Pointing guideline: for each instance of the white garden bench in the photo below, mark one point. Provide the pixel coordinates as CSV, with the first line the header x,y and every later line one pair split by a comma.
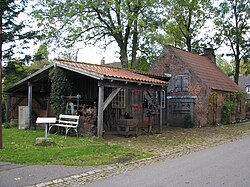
x,y
68,122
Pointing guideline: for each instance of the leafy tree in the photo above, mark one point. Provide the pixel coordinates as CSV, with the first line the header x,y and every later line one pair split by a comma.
x,y
226,67
13,72
41,59
92,21
10,32
185,19
245,66
233,29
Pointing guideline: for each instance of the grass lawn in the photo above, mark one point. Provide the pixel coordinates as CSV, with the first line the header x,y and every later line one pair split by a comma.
x,y
19,147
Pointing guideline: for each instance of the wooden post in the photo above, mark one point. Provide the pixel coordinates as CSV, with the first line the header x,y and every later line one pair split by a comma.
x,y
30,103
160,125
8,104
100,110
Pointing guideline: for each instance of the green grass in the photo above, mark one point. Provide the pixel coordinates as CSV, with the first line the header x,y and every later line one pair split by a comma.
x,y
19,147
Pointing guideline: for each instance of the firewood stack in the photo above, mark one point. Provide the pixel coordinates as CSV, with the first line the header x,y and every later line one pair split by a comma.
x,y
88,120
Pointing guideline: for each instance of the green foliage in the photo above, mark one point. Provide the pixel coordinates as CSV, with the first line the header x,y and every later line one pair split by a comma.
x,y
99,22
59,86
184,21
41,59
13,30
141,64
20,147
226,67
233,29
13,72
188,121
230,105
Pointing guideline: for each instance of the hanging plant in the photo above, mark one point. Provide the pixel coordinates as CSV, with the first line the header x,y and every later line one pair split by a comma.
x,y
59,86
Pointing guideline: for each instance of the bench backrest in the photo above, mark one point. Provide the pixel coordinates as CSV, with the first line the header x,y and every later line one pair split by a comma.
x,y
69,119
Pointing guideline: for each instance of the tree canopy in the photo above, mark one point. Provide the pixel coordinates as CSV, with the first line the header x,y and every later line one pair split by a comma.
x,y
232,20
94,21
185,19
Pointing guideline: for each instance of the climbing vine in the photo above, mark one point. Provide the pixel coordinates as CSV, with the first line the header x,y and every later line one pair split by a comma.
x,y
59,86
230,106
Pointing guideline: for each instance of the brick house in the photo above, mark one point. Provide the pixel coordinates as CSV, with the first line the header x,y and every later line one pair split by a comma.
x,y
197,88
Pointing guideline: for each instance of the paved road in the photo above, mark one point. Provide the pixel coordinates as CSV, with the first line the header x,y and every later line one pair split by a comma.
x,y
225,165
15,175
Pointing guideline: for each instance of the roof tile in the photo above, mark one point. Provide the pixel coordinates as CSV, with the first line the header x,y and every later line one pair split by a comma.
x,y
207,71
110,72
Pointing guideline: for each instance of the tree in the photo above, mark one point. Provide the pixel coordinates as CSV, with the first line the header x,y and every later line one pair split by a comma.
x,y
40,59
226,67
233,29
92,21
10,33
184,21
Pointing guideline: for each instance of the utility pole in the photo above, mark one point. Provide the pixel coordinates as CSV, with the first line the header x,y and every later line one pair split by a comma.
x,y
1,86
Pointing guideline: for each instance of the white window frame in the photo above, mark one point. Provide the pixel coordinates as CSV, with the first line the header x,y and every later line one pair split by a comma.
x,y
120,99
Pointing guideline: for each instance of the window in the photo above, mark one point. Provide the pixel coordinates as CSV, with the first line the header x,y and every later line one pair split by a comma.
x,y
119,100
163,99
181,83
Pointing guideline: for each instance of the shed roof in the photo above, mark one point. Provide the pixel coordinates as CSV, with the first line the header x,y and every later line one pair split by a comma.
x,y
100,72
108,72
206,70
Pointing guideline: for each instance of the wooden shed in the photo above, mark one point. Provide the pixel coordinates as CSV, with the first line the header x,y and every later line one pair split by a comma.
x,y
110,92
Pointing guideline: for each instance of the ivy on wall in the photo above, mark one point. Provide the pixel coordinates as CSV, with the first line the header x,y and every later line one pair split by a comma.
x,y
60,85
230,106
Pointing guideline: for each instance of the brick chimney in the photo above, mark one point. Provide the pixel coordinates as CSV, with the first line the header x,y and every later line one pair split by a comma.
x,y
103,61
209,52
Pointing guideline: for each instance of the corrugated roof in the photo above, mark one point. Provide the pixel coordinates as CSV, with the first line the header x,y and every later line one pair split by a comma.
x,y
207,71
107,72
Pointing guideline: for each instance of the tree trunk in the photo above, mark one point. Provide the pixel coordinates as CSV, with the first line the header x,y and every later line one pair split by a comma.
x,y
123,55
134,45
188,43
237,69
1,15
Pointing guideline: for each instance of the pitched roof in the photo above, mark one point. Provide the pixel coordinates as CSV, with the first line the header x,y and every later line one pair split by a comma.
x,y
206,70
108,72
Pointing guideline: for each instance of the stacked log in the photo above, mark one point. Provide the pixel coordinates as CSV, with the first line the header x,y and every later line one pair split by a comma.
x,y
88,121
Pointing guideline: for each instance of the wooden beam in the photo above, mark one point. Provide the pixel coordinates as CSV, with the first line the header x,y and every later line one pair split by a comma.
x,y
129,85
30,103
100,110
111,97
161,97
8,108
16,104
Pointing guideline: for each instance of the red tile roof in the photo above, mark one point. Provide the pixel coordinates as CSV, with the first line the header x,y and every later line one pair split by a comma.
x,y
207,71
108,72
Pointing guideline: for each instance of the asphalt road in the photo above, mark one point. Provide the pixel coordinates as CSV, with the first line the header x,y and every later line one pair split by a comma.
x,y
16,175
225,165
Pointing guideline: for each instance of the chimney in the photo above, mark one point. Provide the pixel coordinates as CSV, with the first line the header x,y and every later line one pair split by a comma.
x,y
103,61
209,52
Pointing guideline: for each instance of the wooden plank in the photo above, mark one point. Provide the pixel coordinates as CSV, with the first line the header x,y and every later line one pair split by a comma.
x,y
111,97
160,125
16,104
100,110
8,107
123,85
30,103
